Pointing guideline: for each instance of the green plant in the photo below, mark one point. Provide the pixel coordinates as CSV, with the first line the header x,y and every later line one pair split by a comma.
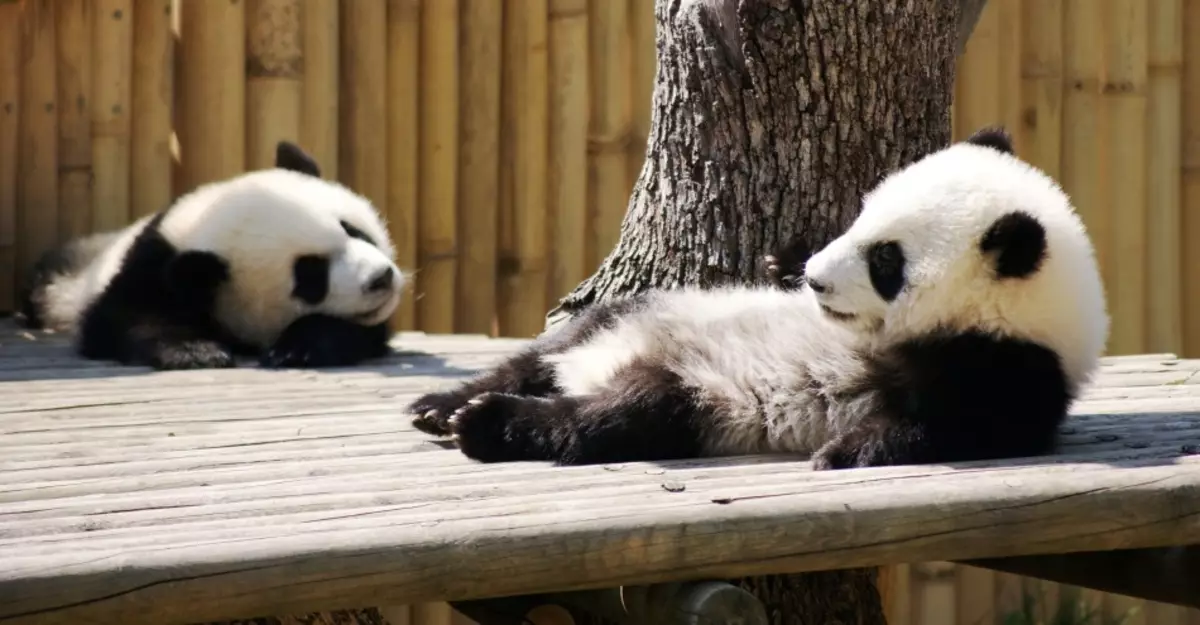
x,y
1071,609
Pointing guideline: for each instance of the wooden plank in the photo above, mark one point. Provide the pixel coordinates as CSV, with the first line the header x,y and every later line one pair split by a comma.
x,y
320,93
212,73
37,140
75,57
608,192
184,496
112,70
568,156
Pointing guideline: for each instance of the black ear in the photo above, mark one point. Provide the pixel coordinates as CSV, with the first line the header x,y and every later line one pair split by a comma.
x,y
1018,243
193,277
288,155
995,137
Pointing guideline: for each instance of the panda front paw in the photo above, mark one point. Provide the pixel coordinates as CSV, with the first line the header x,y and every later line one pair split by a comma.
x,y
432,411
785,267
192,355
484,428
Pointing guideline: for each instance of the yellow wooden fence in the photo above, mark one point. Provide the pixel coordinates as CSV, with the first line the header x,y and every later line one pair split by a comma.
x,y
501,139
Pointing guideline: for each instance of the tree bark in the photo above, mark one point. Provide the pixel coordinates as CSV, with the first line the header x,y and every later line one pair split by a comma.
x,y
771,119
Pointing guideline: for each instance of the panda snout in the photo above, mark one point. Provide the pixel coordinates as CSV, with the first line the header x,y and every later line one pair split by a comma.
x,y
381,281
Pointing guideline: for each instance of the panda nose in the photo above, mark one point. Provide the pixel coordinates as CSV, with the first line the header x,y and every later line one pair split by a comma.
x,y
381,281
817,287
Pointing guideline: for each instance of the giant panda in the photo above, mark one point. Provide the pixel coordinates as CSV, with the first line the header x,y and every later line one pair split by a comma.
x,y
956,319
275,263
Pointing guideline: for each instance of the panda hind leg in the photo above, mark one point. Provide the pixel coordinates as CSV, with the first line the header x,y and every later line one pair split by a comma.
x,y
525,373
154,343
645,413
318,340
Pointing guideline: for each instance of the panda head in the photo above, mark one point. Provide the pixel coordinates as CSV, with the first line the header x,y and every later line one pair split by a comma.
x,y
967,238
279,243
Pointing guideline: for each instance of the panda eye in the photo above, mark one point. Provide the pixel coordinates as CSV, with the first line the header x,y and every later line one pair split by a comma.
x,y
355,233
885,262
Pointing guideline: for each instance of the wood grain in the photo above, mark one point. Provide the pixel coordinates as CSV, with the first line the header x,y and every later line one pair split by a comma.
x,y
136,496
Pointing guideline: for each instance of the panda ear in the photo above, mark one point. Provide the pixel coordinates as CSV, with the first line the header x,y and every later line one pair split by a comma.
x,y
1017,244
193,278
995,137
289,156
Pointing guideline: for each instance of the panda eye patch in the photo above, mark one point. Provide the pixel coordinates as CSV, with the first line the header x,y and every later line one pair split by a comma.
x,y
355,233
885,264
310,279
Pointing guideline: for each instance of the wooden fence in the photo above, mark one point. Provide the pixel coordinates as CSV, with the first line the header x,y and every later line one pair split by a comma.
x,y
501,140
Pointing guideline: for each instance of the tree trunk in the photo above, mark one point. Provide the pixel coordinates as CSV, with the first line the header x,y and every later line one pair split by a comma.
x,y
771,118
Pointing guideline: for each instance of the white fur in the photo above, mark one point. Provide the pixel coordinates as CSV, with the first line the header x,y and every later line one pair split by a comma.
x,y
259,222
768,359
939,209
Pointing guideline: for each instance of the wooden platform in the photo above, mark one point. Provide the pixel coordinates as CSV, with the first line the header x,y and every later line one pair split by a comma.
x,y
131,496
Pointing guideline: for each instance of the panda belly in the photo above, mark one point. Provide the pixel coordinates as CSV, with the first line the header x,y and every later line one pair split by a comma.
x,y
754,360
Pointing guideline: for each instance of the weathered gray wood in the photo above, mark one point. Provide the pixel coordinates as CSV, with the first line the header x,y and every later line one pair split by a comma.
x,y
189,496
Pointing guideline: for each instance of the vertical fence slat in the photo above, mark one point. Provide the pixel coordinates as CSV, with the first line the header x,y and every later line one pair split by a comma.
x,y
153,99
482,34
362,162
319,99
37,178
567,194
10,118
73,23
975,594
644,63
1042,86
608,40
1125,53
437,222
977,81
1163,150
274,77
523,264
403,81
213,89
1190,218
895,593
1009,39
433,612
1083,125
112,65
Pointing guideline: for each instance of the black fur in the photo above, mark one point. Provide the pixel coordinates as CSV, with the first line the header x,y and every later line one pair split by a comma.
x,y
323,341
885,266
995,137
289,156
1018,242
785,267
157,310
357,234
955,397
310,279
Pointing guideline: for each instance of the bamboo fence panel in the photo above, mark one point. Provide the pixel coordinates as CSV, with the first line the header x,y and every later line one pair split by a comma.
x,y
73,21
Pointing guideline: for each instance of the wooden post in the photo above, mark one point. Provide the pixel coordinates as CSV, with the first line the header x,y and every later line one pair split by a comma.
x,y
1190,101
610,78
403,82
153,101
274,73
479,165
570,102
437,223
112,68
523,277
37,142
1125,50
319,99
73,21
213,87
10,109
1164,305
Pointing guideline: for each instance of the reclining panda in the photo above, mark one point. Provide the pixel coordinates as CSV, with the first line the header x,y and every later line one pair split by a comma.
x,y
955,320
276,263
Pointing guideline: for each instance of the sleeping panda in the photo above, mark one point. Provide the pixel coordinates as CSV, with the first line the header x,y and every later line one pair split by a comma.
x,y
276,263
955,320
